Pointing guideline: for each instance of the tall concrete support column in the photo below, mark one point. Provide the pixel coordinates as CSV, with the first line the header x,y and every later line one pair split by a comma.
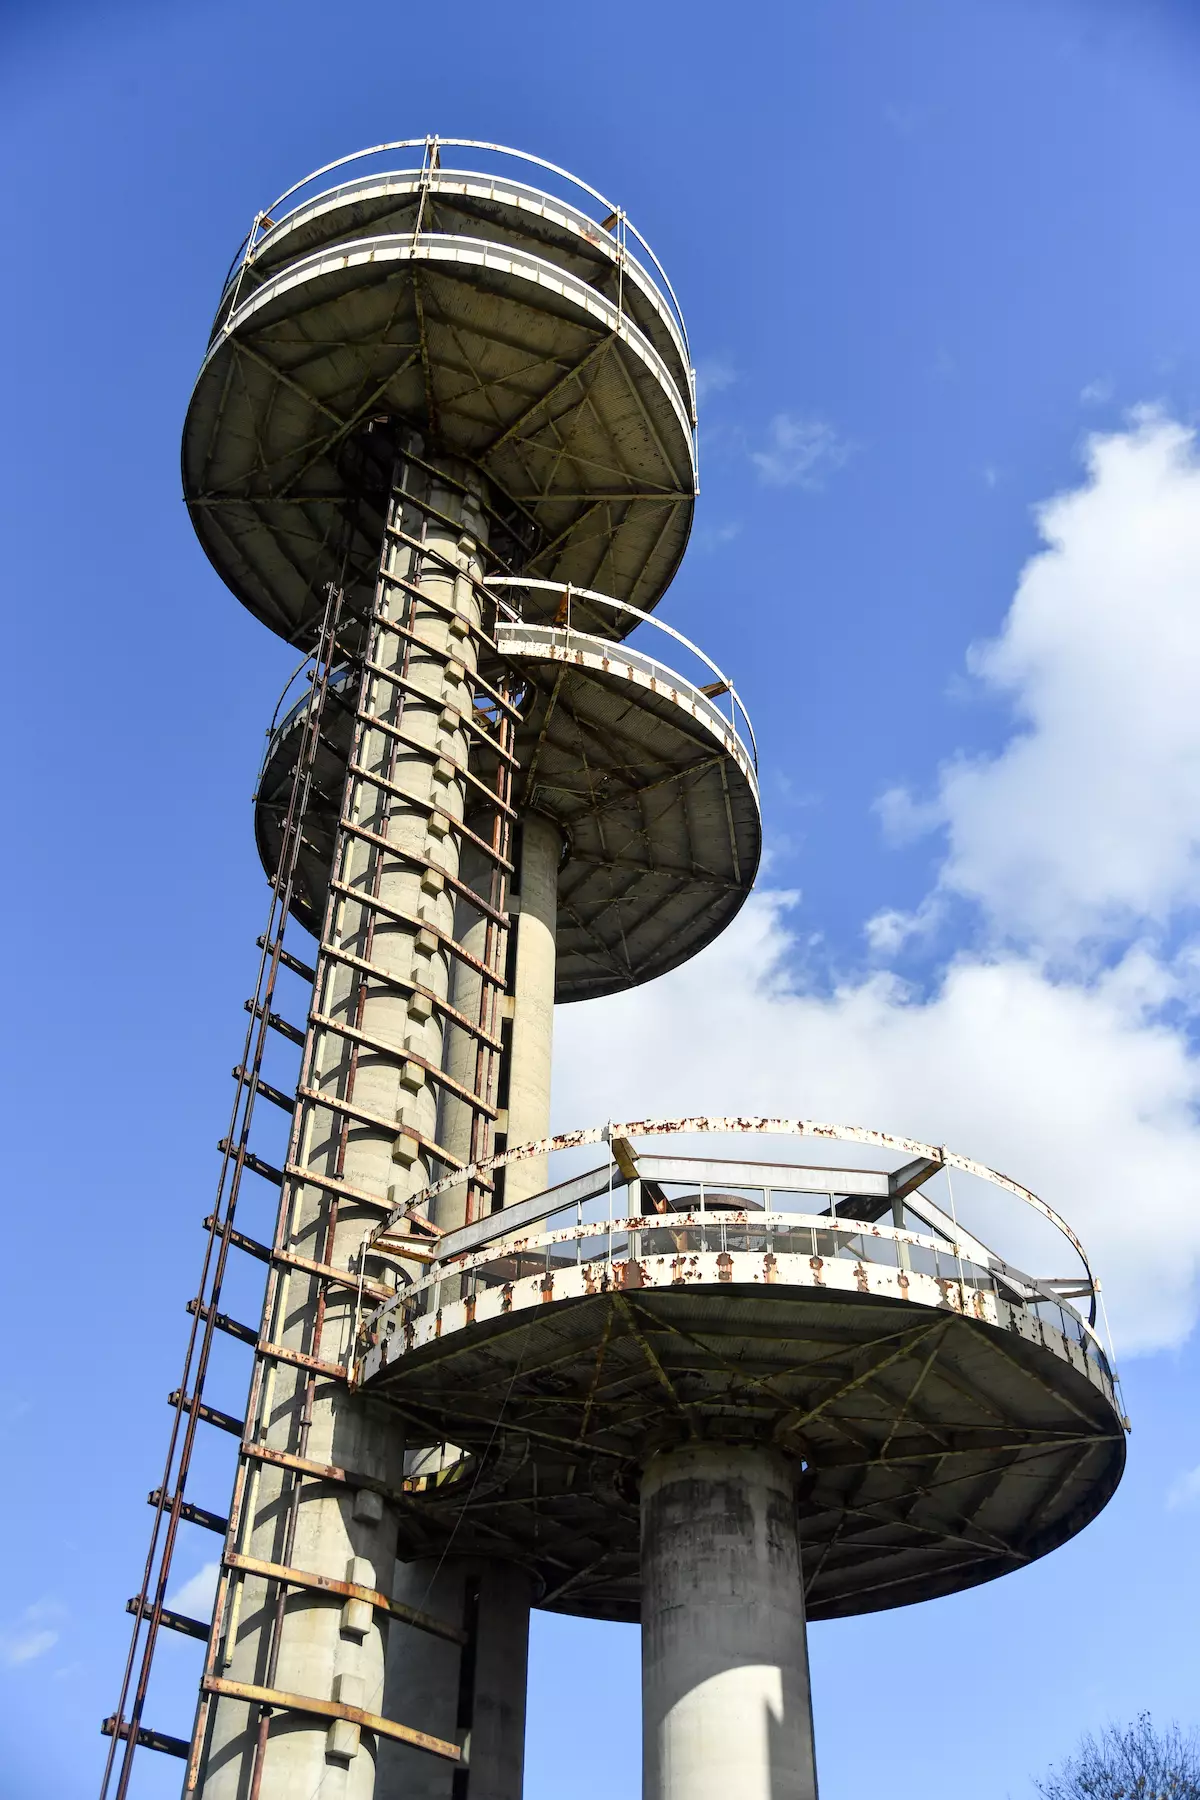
x,y
475,1696
726,1708
365,1123
533,1003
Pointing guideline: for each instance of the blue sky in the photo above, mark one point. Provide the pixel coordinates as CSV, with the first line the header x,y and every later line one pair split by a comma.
x,y
940,264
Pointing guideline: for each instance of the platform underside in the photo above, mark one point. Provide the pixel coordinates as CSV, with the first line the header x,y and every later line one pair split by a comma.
x,y
498,358
655,796
940,1450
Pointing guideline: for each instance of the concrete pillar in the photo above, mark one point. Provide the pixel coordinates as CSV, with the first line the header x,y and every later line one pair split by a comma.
x,y
726,1708
457,1695
318,1646
533,1003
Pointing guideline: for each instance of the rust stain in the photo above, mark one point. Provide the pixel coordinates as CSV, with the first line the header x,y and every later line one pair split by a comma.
x,y
860,1279
470,1306
724,1266
770,1268
547,1287
506,1297
817,1265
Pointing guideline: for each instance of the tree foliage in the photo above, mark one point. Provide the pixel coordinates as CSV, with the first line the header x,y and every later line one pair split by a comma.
x,y
1129,1762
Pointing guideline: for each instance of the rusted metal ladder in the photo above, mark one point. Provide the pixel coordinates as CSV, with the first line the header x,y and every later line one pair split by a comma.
x,y
171,1507
492,716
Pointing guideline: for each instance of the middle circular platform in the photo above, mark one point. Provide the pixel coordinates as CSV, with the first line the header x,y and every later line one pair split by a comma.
x,y
649,781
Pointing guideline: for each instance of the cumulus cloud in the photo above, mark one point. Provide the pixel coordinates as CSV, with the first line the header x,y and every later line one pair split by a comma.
x,y
1052,1041
196,1595
31,1635
1185,1491
800,452
713,375
1087,825
1078,1091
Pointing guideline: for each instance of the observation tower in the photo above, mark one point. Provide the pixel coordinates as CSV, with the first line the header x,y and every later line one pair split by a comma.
x,y
443,443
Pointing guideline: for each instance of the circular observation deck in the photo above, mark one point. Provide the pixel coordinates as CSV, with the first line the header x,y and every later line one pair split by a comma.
x,y
646,773
532,337
954,1417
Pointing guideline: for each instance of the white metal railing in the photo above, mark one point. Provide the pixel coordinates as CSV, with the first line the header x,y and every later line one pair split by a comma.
x,y
612,218
907,1186
571,593
613,1238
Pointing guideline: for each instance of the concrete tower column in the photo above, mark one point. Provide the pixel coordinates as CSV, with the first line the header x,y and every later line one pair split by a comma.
x,y
533,1003
474,1697
390,909
726,1709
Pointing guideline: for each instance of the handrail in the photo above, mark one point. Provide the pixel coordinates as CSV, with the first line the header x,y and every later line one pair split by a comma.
x,y
524,1244
668,313
623,606
431,148
686,1126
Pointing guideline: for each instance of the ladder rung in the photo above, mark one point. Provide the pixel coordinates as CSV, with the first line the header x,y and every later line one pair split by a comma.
x,y
149,1740
274,1094
288,960
432,810
354,1036
193,1628
210,1414
347,1590
348,1278
373,972
450,945
301,1360
315,1471
290,1032
335,1709
462,888
255,1164
239,1240
223,1322
195,1515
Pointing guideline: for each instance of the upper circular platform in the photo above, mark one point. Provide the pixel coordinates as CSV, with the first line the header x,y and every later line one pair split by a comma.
x,y
953,1417
651,784
514,329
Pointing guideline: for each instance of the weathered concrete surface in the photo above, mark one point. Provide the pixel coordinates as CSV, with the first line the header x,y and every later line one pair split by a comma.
x,y
533,1004
322,1649
725,1690
442,1690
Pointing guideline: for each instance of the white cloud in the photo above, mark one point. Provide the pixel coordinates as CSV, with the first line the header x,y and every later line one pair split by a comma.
x,y
715,537
800,452
31,1635
1053,1039
1087,824
1185,1491
713,375
1074,1090
195,1597
1095,393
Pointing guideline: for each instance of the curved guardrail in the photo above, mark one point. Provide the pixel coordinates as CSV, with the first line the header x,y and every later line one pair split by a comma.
x,y
722,686
503,1232
613,218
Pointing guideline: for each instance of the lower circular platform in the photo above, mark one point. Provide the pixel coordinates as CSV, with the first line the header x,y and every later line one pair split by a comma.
x,y
947,1430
